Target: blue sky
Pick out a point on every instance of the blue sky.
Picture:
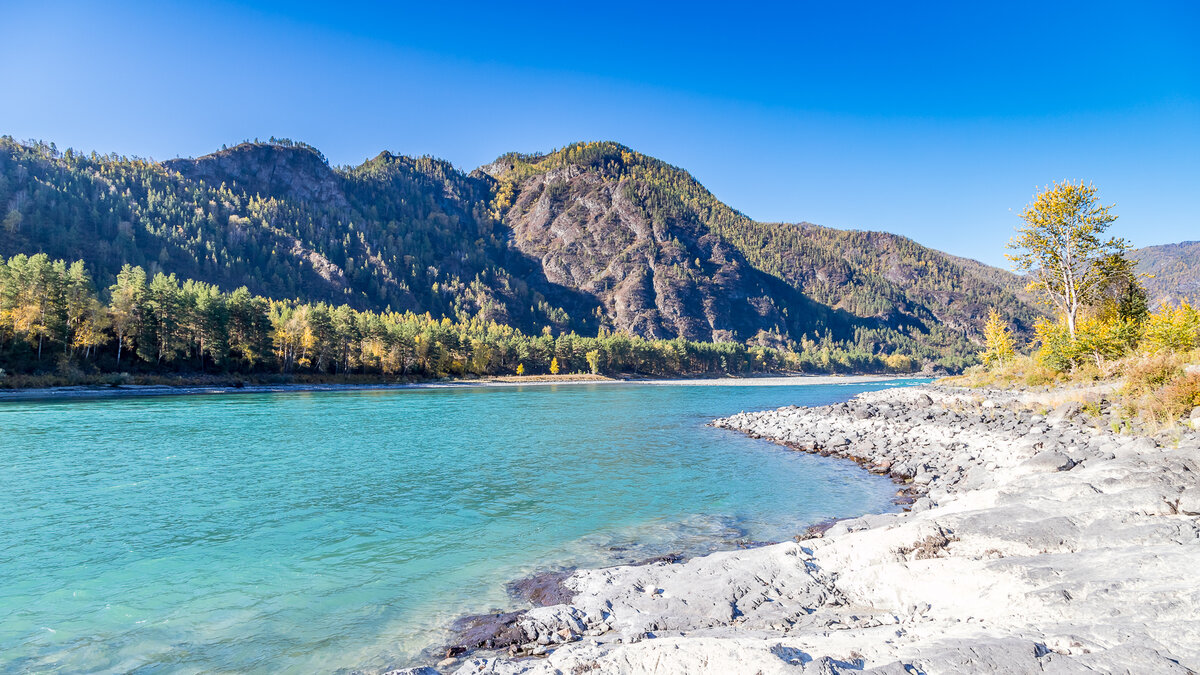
(933, 121)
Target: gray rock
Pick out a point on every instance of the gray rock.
(1119, 659)
(1049, 461)
(1009, 656)
(894, 668)
(1189, 501)
(1137, 446)
(1064, 412)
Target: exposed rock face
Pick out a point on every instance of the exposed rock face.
(1036, 546)
(659, 278)
(296, 173)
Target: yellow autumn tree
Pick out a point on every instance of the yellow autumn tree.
(998, 340)
(1173, 328)
(1061, 249)
(554, 366)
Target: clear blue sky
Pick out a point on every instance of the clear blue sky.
(933, 122)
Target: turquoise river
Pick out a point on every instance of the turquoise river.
(340, 531)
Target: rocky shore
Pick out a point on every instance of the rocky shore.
(1038, 541)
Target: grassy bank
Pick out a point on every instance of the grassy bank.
(1146, 391)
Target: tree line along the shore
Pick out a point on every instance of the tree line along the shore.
(1100, 326)
(54, 322)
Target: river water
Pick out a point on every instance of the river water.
(304, 532)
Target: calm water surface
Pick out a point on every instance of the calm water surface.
(312, 532)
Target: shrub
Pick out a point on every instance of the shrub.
(1097, 342)
(1037, 375)
(1151, 373)
(1173, 328)
(1183, 394)
(1102, 340)
(1054, 344)
(1173, 401)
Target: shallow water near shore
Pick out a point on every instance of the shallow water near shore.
(326, 531)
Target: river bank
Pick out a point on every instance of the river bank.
(132, 390)
(1040, 541)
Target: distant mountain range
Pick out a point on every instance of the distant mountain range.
(1171, 271)
(589, 238)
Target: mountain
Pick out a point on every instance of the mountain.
(654, 273)
(654, 246)
(398, 232)
(589, 238)
(1172, 271)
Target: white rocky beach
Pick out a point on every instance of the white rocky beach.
(1039, 541)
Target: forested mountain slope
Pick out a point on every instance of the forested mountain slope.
(592, 237)
(1172, 271)
(410, 234)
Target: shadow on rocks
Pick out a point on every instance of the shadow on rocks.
(497, 631)
(544, 589)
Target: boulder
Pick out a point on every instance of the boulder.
(1049, 461)
(1189, 501)
(1064, 412)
